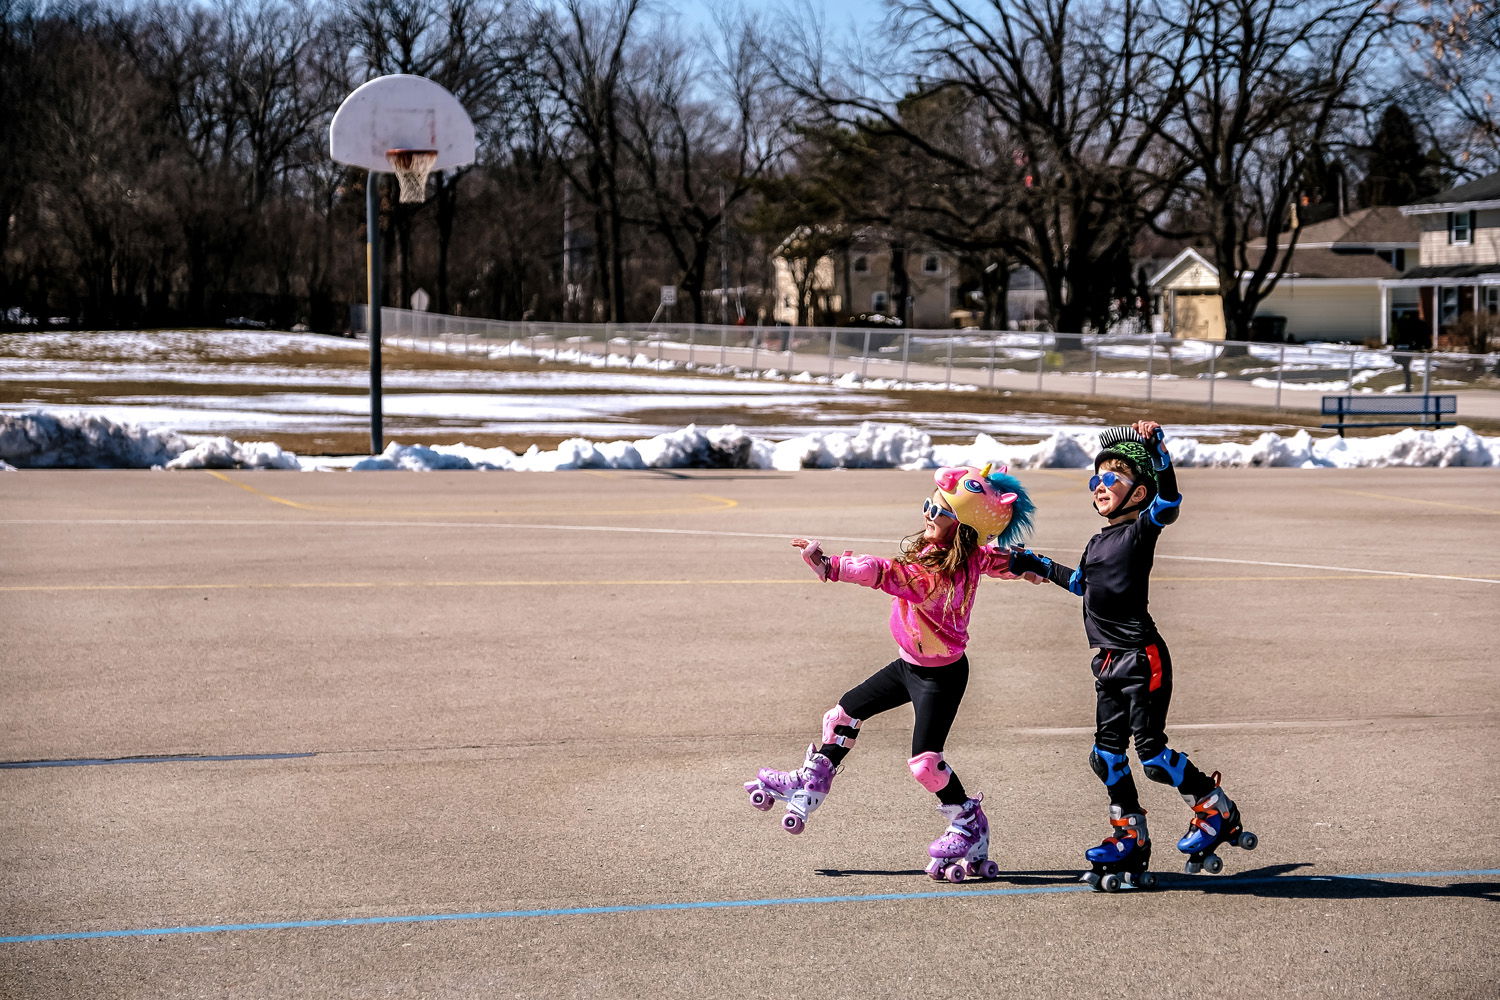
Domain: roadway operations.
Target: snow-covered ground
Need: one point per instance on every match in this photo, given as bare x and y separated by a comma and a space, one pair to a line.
292, 382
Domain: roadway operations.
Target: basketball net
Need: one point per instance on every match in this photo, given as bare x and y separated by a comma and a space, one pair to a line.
411, 167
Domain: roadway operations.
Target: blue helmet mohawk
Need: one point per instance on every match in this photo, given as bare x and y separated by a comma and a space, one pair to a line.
1021, 511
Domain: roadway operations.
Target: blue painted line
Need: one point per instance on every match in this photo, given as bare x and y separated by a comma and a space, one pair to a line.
724, 904
185, 759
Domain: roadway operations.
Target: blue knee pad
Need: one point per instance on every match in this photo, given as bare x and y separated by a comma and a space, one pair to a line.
1167, 767
1110, 767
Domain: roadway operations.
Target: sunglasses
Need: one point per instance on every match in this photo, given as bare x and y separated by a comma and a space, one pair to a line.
936, 511
1109, 479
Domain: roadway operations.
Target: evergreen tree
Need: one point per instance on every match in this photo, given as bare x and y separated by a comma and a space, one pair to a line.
1400, 172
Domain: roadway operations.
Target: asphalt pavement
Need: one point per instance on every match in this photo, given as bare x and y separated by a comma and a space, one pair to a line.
484, 734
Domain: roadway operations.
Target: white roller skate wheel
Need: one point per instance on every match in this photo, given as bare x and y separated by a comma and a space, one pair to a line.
1110, 883
1248, 841
1212, 864
955, 873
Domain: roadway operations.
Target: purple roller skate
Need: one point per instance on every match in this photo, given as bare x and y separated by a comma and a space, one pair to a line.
803, 790
964, 847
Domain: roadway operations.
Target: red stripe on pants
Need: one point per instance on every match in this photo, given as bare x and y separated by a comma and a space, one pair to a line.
1154, 655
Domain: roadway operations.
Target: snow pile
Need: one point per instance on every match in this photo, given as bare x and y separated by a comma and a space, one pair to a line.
41, 440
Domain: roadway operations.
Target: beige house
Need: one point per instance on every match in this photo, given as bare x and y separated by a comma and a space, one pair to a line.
1334, 287
1459, 276
861, 279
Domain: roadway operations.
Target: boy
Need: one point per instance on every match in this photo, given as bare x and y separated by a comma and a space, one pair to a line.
1135, 490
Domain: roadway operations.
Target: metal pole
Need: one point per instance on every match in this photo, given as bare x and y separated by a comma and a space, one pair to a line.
1280, 375
1213, 356
1349, 391
372, 281
1150, 360
993, 340
864, 357
1041, 359
1094, 369
905, 355
833, 340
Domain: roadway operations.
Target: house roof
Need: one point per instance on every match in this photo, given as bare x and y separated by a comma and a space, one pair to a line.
1483, 193
1453, 271
1377, 226
1312, 262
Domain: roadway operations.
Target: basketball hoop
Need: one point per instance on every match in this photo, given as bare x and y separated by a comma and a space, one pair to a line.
411, 167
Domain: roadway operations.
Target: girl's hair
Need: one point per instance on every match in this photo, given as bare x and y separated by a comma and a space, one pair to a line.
947, 561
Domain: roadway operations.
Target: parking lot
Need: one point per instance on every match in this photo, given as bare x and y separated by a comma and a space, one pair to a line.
484, 734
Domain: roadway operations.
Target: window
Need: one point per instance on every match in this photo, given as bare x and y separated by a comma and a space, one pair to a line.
880, 302
861, 265
1447, 304
930, 264
1460, 228
1492, 300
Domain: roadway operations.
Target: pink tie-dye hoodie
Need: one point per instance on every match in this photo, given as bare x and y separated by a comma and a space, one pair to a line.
929, 616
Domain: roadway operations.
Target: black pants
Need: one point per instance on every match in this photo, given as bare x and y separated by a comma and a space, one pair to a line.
934, 694
1134, 690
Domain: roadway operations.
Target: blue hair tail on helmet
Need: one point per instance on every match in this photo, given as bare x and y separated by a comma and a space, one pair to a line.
1163, 512
1021, 512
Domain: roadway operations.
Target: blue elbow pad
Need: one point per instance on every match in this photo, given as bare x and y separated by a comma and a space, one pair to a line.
1163, 512
1075, 582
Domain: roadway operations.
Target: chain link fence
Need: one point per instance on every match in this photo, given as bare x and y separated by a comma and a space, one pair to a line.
1148, 367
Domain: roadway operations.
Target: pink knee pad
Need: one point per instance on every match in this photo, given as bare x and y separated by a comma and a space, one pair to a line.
835, 717
930, 771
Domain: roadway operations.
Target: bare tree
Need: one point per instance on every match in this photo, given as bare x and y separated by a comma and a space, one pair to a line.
1271, 80
1455, 61
700, 130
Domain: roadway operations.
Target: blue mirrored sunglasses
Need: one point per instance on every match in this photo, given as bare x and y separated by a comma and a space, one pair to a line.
1109, 479
934, 510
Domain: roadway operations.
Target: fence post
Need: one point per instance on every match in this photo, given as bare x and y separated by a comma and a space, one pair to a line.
1280, 374
755, 351
723, 346
1041, 359
1094, 368
864, 357
1349, 391
1213, 356
948, 376
1150, 363
692, 336
905, 355
1426, 372
833, 339
993, 340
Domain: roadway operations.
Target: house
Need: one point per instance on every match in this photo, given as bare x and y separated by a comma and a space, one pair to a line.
857, 275
1459, 276
1334, 287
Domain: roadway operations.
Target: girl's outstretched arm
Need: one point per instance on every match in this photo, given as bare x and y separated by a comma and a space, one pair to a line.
812, 554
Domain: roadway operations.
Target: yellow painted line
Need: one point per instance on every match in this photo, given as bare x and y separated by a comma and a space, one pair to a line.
715, 504
412, 584
1430, 503
375, 585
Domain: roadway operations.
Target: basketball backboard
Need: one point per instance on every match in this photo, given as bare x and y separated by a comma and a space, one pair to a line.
401, 111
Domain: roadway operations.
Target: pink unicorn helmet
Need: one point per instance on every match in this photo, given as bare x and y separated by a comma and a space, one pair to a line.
989, 500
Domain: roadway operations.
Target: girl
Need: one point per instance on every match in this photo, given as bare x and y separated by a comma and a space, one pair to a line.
933, 582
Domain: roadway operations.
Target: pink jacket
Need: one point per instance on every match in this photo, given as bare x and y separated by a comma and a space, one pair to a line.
929, 619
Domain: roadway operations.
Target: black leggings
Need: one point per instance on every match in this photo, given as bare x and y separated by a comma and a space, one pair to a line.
934, 694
